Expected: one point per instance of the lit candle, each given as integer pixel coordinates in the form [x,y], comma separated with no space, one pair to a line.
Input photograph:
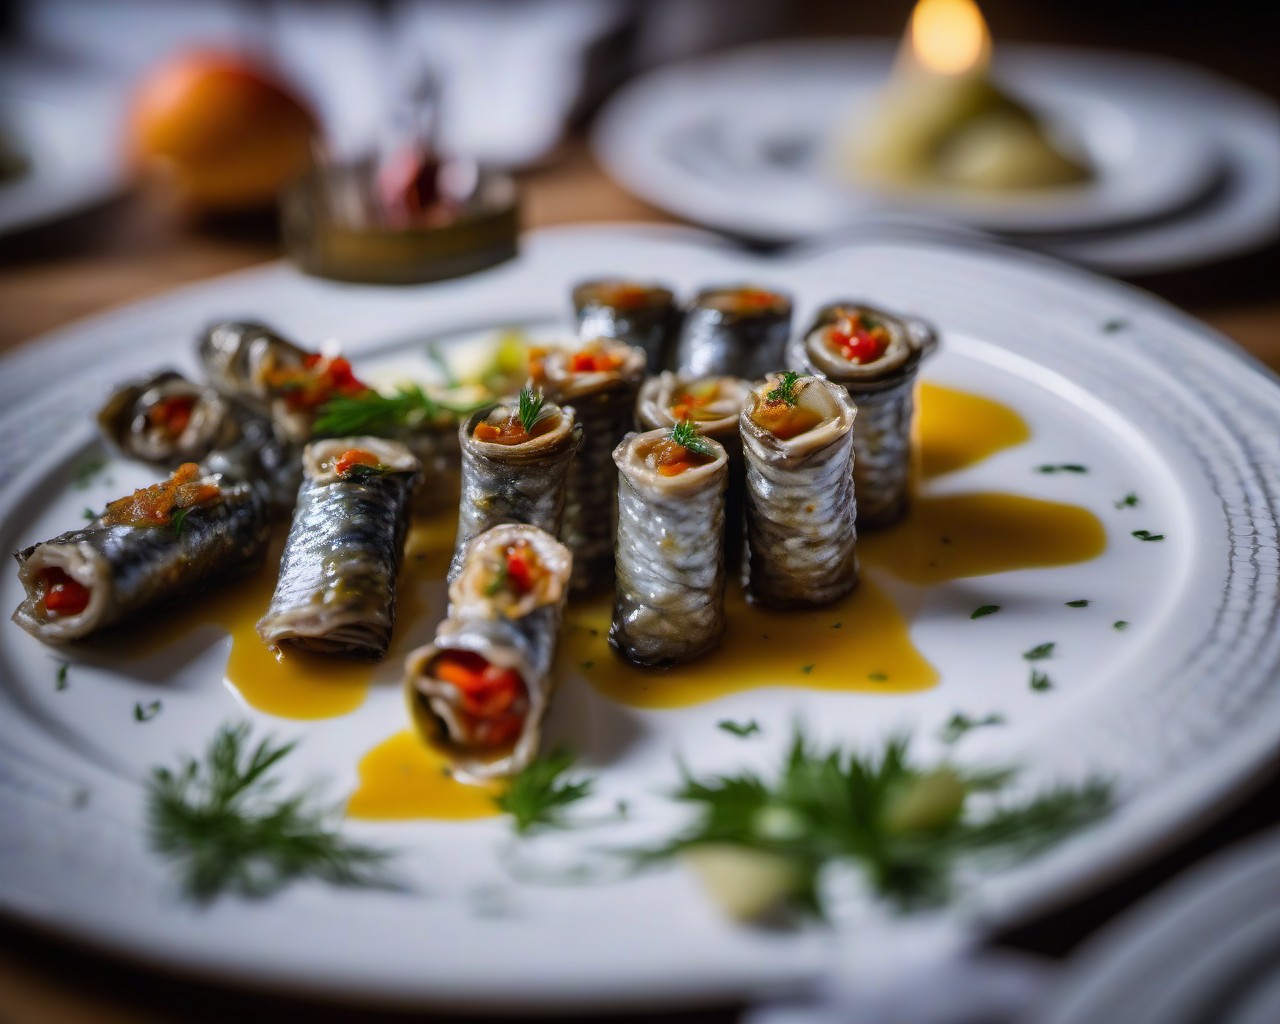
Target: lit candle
[941,121]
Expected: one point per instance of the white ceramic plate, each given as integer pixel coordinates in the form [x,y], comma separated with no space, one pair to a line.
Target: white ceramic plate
[1204,949]
[1189,162]
[69,130]
[1180,709]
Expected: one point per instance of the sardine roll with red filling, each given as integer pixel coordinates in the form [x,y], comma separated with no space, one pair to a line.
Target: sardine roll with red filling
[276,377]
[740,331]
[166,419]
[797,436]
[156,546]
[644,315]
[600,381]
[669,593]
[875,356]
[336,593]
[481,690]
[515,460]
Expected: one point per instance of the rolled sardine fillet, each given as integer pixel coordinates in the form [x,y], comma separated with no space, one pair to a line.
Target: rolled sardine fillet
[513,475]
[156,547]
[479,693]
[669,590]
[166,420]
[644,315]
[260,458]
[600,381]
[797,436]
[875,356]
[737,331]
[336,593]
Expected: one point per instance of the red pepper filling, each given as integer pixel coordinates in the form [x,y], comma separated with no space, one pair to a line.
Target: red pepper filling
[518,572]
[594,360]
[672,459]
[172,415]
[858,339]
[512,431]
[62,594]
[155,505]
[785,421]
[315,382]
[353,457]
[488,696]
[689,404]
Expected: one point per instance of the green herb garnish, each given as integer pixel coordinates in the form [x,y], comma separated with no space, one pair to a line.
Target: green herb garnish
[222,823]
[1039,680]
[984,610]
[685,434]
[361,472]
[178,519]
[1062,467]
[960,723]
[87,470]
[60,677]
[1147,535]
[499,581]
[89,514]
[1039,651]
[1112,326]
[908,827]
[1119,625]
[740,729]
[375,413]
[1130,500]
[530,408]
[877,677]
[145,712]
[806,669]
[538,795]
[785,390]
[1078,603]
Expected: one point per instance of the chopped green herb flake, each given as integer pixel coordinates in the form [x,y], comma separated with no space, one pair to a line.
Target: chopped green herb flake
[587,666]
[877,677]
[178,519]
[1040,651]
[87,470]
[60,678]
[1147,535]
[145,712]
[1120,625]
[89,514]
[835,625]
[806,669]
[1040,681]
[1062,467]
[1112,326]
[538,795]
[959,724]
[984,610]
[740,729]
[224,825]
[1130,500]
[1078,603]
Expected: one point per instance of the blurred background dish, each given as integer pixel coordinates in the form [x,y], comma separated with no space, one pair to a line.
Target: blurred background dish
[744,142]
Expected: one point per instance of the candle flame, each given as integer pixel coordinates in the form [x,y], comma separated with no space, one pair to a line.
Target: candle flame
[949,37]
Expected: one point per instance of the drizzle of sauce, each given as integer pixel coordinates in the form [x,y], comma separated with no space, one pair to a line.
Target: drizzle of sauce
[403,777]
[957,429]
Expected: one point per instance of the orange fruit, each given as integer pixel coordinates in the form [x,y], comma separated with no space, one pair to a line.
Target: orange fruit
[225,132]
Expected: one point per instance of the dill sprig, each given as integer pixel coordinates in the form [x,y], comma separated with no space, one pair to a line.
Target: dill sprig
[685,434]
[907,827]
[222,823]
[539,793]
[785,391]
[529,409]
[380,415]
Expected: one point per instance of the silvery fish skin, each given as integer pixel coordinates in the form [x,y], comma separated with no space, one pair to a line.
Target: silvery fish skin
[509,631]
[241,359]
[722,335]
[883,392]
[644,315]
[800,502]
[605,405]
[261,459]
[126,420]
[513,483]
[669,594]
[717,419]
[436,448]
[336,592]
[129,569]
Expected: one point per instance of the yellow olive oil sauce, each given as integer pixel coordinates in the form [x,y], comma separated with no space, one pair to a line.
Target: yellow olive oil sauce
[403,777]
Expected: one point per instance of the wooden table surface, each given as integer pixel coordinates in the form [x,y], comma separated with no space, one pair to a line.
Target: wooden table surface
[136,248]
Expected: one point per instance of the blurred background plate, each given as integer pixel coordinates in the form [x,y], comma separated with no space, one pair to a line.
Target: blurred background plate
[66,128]
[743,142]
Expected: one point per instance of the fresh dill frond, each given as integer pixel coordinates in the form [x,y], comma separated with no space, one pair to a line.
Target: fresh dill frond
[538,795]
[740,729]
[907,826]
[226,829]
[1040,681]
[1040,651]
[1148,535]
[381,415]
[146,712]
[685,434]
[1130,500]
[984,610]
[785,391]
[959,724]
[529,409]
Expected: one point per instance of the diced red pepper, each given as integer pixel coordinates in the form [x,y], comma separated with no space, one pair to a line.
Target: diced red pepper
[172,415]
[62,594]
[353,457]
[518,571]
